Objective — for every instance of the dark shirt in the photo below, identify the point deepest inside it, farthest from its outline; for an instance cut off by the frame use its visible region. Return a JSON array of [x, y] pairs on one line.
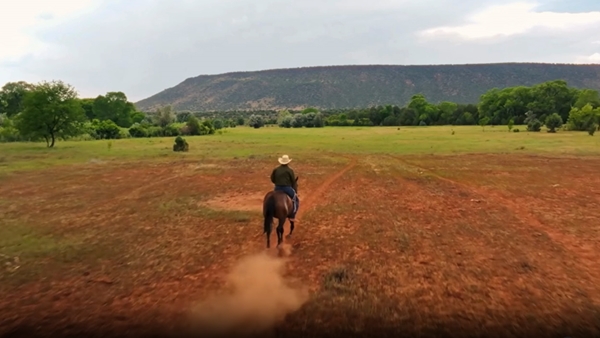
[[283, 176]]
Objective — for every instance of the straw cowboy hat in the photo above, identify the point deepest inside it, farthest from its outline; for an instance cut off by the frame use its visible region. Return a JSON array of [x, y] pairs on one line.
[[284, 159]]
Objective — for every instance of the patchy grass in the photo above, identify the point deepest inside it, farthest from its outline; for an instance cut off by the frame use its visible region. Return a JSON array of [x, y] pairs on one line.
[[29, 253], [265, 143]]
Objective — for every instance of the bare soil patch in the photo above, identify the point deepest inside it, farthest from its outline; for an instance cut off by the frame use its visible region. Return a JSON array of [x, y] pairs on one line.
[[422, 246], [243, 202]]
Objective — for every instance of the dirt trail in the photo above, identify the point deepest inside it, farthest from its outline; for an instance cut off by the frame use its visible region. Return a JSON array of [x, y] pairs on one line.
[[586, 255], [262, 296], [310, 199]]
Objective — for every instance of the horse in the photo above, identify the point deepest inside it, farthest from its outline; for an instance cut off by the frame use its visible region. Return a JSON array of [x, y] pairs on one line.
[[277, 204]]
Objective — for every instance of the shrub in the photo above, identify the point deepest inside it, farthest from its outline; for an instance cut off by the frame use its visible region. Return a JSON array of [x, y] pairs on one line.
[[516, 130], [582, 119], [182, 117], [256, 121], [533, 124], [171, 130], [138, 131], [124, 133], [180, 144], [318, 120], [553, 122], [192, 126], [8, 132], [218, 124], [297, 120], [207, 128], [286, 122], [511, 124], [105, 130], [592, 129], [155, 131]]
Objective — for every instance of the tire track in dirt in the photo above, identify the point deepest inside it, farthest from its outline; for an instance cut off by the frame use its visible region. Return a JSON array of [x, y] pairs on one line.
[[584, 253], [310, 200]]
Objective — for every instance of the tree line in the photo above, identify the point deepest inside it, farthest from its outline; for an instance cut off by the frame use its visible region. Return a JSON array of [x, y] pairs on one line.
[[52, 110], [552, 103]]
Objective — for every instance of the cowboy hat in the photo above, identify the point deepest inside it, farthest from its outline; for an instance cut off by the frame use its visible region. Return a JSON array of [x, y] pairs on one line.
[[284, 159]]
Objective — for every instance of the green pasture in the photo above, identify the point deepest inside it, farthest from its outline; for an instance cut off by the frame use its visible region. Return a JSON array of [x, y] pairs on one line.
[[243, 142]]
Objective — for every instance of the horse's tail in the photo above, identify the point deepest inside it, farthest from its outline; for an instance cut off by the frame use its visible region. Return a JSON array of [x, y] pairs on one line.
[[269, 213]]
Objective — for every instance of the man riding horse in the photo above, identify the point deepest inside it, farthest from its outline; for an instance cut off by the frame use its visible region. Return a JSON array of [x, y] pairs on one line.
[[284, 177]]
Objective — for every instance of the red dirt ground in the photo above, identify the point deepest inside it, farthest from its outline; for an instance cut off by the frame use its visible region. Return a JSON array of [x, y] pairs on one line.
[[448, 246]]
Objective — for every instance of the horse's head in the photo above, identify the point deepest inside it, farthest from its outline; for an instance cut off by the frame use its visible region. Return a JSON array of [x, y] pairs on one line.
[[295, 186]]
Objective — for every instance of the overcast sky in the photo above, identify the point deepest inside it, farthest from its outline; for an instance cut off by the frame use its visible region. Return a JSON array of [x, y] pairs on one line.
[[141, 47]]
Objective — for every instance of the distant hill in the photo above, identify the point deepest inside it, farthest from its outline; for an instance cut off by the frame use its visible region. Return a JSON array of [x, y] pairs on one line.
[[360, 86]]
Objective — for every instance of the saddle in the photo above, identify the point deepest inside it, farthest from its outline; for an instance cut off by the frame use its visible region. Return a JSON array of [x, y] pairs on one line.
[[294, 203]]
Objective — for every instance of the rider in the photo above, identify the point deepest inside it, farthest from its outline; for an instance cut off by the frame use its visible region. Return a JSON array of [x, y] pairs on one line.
[[283, 177]]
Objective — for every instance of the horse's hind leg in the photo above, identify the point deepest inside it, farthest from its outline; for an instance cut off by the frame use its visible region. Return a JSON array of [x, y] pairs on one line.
[[269, 238], [291, 229], [280, 231]]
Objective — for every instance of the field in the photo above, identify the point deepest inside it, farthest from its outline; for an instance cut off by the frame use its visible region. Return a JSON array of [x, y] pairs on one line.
[[417, 231]]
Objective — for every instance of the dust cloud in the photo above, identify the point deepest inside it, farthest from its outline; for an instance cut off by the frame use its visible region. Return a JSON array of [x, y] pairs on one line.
[[260, 298]]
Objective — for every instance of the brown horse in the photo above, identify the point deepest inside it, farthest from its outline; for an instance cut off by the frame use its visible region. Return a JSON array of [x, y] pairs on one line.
[[277, 204]]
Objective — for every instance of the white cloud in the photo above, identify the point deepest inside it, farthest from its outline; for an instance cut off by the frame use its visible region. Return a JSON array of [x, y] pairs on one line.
[[19, 19], [594, 58], [513, 19], [143, 46]]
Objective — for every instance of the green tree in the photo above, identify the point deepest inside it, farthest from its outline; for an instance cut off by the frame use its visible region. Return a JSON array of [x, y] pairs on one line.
[[207, 128], [553, 122], [138, 117], [297, 121], [256, 121], [282, 115], [587, 96], [533, 123], [446, 110], [164, 116], [286, 122], [192, 126], [425, 111], [218, 124], [115, 107], [552, 97], [500, 105], [310, 110], [12, 95], [8, 131], [51, 110], [309, 120], [171, 130], [230, 123], [88, 107], [511, 124], [137, 130], [582, 119], [318, 120], [105, 130], [183, 116]]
